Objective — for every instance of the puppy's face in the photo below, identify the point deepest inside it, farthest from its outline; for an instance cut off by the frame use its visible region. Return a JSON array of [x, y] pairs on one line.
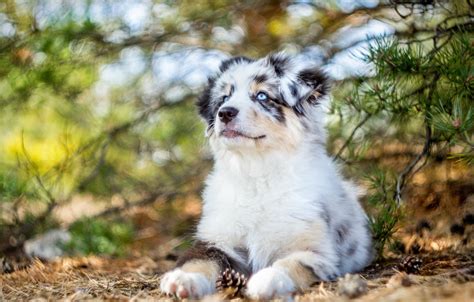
[[262, 105]]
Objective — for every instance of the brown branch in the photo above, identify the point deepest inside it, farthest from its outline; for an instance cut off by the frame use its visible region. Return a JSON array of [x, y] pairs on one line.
[[402, 178], [164, 195], [470, 3], [407, 171], [111, 133]]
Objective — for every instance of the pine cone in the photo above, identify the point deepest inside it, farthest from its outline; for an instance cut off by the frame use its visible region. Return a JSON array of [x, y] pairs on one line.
[[410, 265], [231, 283]]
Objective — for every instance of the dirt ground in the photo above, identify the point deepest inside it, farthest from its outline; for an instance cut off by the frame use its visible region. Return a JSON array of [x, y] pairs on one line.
[[441, 277]]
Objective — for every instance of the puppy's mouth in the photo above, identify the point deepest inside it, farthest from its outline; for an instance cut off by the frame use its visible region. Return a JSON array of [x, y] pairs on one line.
[[235, 134]]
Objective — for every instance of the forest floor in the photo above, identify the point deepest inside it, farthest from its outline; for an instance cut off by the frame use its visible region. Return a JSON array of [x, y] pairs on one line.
[[441, 277]]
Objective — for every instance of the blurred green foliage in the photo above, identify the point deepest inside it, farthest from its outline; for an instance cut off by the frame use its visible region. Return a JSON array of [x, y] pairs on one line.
[[11, 187], [100, 237]]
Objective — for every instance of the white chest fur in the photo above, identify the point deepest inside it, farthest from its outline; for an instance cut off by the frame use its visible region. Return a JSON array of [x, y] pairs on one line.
[[267, 205]]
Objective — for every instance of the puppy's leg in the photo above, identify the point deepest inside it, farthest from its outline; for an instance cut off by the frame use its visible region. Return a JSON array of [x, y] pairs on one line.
[[194, 279], [197, 272], [296, 272]]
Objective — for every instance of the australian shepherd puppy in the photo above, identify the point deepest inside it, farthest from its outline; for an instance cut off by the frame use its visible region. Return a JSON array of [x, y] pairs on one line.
[[275, 206]]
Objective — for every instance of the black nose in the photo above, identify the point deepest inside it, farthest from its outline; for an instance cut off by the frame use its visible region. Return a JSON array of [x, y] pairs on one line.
[[227, 114]]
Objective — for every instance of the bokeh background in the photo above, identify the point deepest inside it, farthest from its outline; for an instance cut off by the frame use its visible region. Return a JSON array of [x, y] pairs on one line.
[[102, 151]]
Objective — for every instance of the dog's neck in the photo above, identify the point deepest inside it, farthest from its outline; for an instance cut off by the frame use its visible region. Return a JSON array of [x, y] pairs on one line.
[[249, 164]]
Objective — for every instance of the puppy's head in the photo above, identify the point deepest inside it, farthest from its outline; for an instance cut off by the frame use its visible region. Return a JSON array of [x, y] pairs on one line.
[[263, 105]]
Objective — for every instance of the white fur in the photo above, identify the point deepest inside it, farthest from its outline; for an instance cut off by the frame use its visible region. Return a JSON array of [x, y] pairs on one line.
[[270, 282], [185, 284], [263, 202]]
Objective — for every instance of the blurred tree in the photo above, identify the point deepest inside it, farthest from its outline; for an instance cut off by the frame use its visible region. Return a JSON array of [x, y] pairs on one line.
[[97, 96]]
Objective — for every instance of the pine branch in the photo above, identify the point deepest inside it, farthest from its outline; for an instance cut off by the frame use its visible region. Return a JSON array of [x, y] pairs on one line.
[[24, 230], [52, 201]]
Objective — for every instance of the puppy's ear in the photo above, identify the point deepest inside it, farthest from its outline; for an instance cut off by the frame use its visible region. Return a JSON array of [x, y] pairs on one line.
[[204, 103], [281, 64], [316, 81], [313, 87], [300, 85]]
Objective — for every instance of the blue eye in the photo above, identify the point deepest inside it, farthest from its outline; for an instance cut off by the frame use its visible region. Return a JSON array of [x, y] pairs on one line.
[[225, 98], [262, 96]]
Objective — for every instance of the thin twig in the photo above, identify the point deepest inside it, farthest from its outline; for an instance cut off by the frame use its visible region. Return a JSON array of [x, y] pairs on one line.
[[351, 136], [36, 173], [402, 178], [95, 171]]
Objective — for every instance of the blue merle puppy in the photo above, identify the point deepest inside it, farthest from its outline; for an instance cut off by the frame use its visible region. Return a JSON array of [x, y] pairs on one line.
[[275, 205]]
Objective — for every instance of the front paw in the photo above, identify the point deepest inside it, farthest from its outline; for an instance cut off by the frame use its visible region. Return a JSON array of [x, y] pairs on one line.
[[270, 283], [183, 285]]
